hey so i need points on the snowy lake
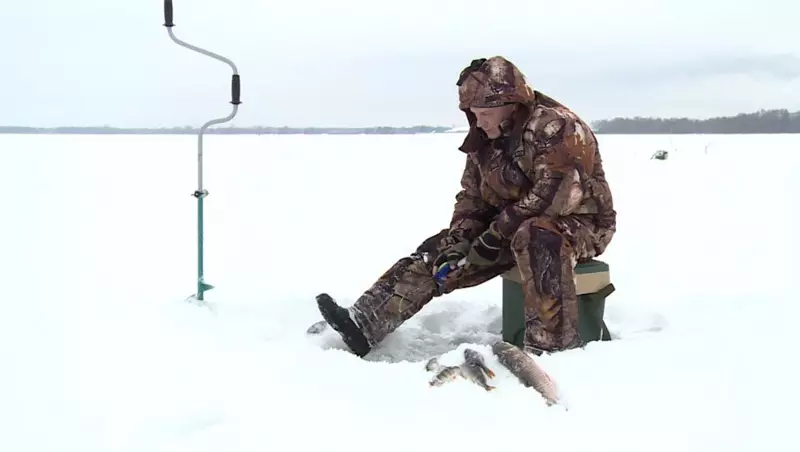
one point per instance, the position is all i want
(99, 351)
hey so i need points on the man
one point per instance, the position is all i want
(534, 195)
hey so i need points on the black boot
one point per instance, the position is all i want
(339, 319)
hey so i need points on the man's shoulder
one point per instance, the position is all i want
(549, 125)
(544, 123)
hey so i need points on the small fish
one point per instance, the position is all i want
(475, 374)
(474, 367)
(433, 365)
(447, 374)
(473, 357)
(526, 370)
(317, 327)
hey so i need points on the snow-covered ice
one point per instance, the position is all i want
(99, 351)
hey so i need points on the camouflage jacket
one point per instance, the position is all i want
(551, 168)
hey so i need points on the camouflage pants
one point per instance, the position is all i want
(546, 252)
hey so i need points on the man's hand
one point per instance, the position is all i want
(485, 250)
(453, 251)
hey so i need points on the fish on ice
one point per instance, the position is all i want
(445, 375)
(475, 369)
(529, 373)
(433, 365)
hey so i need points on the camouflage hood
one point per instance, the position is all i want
(492, 82)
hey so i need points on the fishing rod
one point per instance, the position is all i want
(201, 192)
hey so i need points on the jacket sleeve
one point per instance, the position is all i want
(550, 161)
(471, 214)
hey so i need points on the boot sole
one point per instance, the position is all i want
(339, 319)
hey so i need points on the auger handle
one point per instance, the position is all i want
(168, 13)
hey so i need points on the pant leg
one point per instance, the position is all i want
(547, 251)
(408, 285)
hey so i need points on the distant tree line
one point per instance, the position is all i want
(216, 130)
(762, 121)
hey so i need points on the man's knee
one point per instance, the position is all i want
(538, 233)
(431, 245)
(416, 281)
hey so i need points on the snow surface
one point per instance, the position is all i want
(99, 351)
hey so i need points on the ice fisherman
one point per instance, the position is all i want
(534, 195)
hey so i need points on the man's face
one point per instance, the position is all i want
(489, 119)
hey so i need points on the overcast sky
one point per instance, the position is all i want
(365, 63)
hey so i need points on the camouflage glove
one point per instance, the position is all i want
(452, 250)
(485, 250)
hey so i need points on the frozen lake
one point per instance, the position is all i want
(100, 353)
